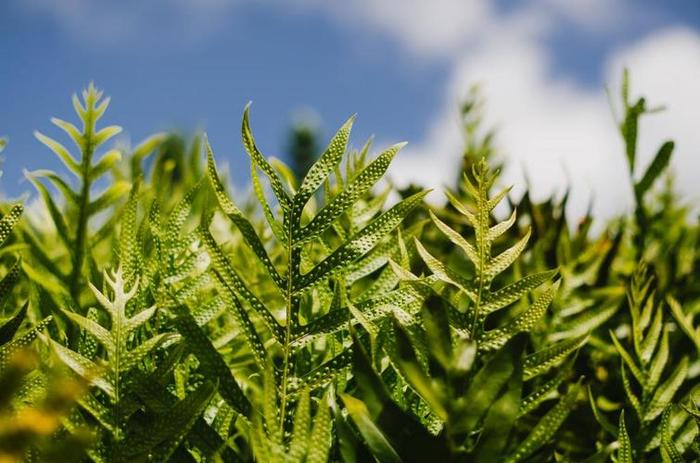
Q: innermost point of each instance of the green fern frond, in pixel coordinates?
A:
(315, 251)
(121, 354)
(478, 288)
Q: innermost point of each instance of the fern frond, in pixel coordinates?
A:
(315, 249)
(111, 371)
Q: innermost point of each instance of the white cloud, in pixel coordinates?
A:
(559, 131)
(437, 27)
(665, 66)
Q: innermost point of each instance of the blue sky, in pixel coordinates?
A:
(401, 65)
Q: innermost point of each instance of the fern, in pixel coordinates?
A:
(310, 260)
(487, 267)
(309, 442)
(110, 373)
(475, 407)
(647, 365)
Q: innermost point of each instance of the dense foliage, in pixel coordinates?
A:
(152, 315)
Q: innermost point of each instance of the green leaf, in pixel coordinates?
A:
(658, 364)
(629, 361)
(505, 296)
(504, 260)
(275, 225)
(358, 186)
(444, 273)
(211, 361)
(163, 433)
(8, 282)
(60, 151)
(237, 217)
(320, 440)
(106, 162)
(499, 420)
(105, 134)
(54, 211)
(302, 424)
(624, 452)
(377, 442)
(8, 222)
(84, 367)
(10, 327)
(360, 243)
(684, 321)
(23, 341)
(485, 387)
(545, 391)
(259, 160)
(527, 320)
(109, 196)
(94, 328)
(669, 451)
(412, 371)
(664, 394)
(657, 166)
(545, 429)
(544, 359)
(324, 166)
